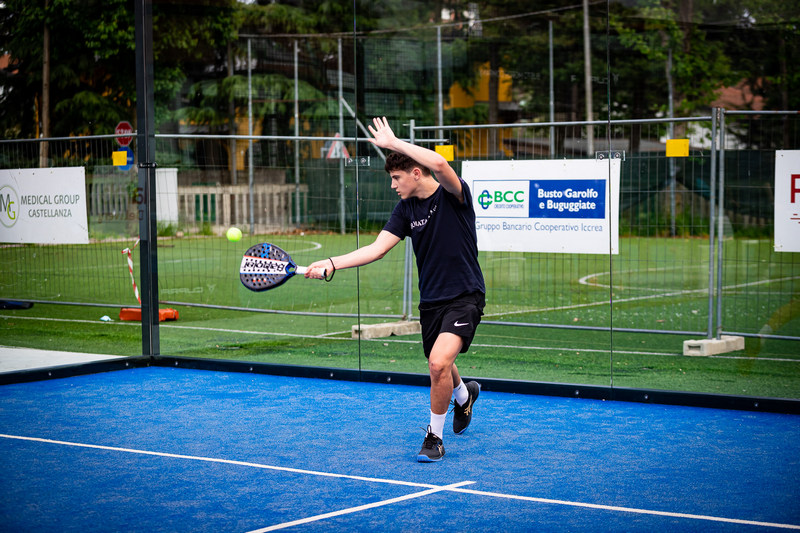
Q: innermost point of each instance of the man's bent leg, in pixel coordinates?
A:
(443, 371)
(441, 364)
(456, 375)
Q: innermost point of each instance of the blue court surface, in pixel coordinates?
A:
(169, 449)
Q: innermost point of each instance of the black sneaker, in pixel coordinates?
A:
(462, 414)
(432, 449)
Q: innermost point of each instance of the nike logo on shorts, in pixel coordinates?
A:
(459, 324)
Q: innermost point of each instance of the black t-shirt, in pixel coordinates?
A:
(442, 231)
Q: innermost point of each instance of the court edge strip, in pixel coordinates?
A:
(434, 488)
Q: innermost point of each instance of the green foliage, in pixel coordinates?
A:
(646, 281)
(721, 43)
(91, 82)
(165, 229)
(650, 221)
(699, 65)
(273, 94)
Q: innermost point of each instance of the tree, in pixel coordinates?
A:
(90, 89)
(772, 29)
(92, 81)
(675, 30)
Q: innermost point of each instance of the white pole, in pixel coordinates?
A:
(587, 78)
(341, 158)
(440, 103)
(552, 92)
(250, 133)
(296, 134)
(671, 135)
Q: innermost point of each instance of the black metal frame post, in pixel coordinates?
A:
(146, 197)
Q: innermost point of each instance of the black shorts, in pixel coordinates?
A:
(460, 316)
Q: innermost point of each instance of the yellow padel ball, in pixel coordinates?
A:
(234, 234)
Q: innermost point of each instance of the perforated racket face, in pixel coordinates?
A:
(265, 266)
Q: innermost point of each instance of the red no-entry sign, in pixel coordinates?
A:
(121, 129)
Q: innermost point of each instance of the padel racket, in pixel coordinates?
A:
(265, 266)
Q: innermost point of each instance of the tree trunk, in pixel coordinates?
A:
(232, 160)
(45, 113)
(494, 97)
(784, 86)
(685, 10)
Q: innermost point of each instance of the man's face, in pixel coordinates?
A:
(404, 183)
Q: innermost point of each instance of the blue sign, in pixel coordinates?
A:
(567, 199)
(129, 158)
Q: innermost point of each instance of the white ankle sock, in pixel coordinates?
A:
(437, 424)
(461, 393)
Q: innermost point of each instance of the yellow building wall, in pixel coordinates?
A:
(474, 143)
(461, 98)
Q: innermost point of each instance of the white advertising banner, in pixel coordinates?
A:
(561, 206)
(45, 206)
(787, 200)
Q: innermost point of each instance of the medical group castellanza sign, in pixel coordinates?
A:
(44, 206)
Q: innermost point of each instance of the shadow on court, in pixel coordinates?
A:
(166, 449)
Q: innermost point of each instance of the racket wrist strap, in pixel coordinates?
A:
(333, 270)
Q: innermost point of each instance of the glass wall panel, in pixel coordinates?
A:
(713, 285)
(257, 120)
(67, 211)
(476, 80)
(673, 118)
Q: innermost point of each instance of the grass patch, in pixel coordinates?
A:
(654, 284)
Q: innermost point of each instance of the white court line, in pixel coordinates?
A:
(223, 461)
(631, 509)
(314, 246)
(584, 281)
(435, 488)
(400, 341)
(249, 332)
(169, 326)
(328, 336)
(360, 508)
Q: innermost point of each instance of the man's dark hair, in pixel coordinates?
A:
(398, 161)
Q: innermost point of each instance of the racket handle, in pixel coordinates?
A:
(302, 271)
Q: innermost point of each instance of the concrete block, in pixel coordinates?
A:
(704, 347)
(377, 331)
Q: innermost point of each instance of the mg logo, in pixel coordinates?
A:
(9, 205)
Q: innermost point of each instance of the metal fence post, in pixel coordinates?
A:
(148, 230)
(720, 218)
(342, 213)
(711, 216)
(408, 259)
(250, 170)
(296, 134)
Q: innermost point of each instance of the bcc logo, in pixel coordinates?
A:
(486, 198)
(8, 206)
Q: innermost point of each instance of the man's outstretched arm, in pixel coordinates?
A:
(359, 257)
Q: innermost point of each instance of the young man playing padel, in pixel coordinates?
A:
(440, 219)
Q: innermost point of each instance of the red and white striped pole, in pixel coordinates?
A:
(130, 269)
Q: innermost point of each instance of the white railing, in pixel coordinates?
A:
(223, 206)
